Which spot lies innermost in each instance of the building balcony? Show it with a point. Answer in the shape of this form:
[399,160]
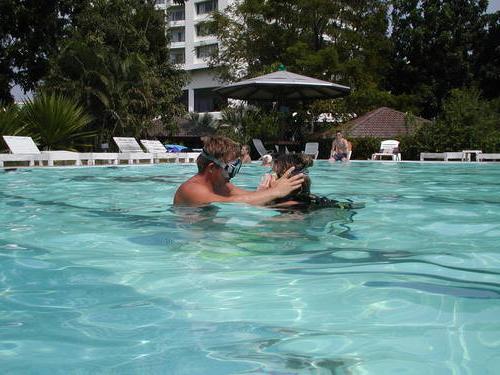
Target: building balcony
[174,45]
[181,23]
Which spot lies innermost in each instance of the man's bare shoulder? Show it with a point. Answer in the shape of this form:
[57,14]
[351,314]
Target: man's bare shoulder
[193,191]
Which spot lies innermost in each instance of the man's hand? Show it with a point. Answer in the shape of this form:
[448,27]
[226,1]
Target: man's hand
[286,184]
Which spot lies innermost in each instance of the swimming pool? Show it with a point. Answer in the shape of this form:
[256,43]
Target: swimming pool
[99,275]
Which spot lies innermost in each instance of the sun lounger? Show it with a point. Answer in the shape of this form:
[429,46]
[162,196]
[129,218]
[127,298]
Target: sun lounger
[30,159]
[259,146]
[312,148]
[388,148]
[188,157]
[454,156]
[131,151]
[491,157]
[432,155]
[159,151]
[24,147]
[92,157]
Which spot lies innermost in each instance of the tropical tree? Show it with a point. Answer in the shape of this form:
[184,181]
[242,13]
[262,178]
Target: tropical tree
[29,35]
[56,122]
[467,121]
[10,120]
[242,123]
[344,41]
[435,44]
[341,41]
[487,57]
[116,62]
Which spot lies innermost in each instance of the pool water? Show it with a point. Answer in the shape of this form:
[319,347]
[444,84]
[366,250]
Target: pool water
[100,275]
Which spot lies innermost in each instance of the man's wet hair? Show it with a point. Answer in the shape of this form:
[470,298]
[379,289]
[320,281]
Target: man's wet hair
[221,148]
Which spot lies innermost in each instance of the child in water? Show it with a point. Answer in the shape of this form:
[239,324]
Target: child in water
[301,198]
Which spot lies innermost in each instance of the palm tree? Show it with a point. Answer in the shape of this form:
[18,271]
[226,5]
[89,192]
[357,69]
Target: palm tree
[10,120]
[56,122]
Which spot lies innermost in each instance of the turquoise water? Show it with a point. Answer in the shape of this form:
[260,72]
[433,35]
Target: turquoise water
[99,275]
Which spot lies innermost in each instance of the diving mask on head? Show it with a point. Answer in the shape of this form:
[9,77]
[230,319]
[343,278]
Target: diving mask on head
[229,170]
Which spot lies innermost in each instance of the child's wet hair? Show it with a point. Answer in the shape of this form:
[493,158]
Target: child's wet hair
[283,162]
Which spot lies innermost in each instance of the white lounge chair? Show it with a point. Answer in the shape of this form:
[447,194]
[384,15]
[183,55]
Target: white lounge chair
[131,151]
[25,149]
[312,148]
[259,146]
[158,150]
[388,148]
[432,155]
[492,157]
[92,157]
[454,156]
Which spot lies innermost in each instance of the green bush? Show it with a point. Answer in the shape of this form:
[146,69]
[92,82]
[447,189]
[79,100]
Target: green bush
[243,123]
[363,148]
[466,122]
[56,122]
[10,120]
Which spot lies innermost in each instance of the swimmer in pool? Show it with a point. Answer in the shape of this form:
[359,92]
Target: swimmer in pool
[301,198]
[217,164]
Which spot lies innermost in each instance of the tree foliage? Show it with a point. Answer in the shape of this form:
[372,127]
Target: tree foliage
[29,35]
[435,45]
[56,122]
[10,120]
[344,41]
[467,121]
[116,62]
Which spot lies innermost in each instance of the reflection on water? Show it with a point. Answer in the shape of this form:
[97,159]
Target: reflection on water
[99,273]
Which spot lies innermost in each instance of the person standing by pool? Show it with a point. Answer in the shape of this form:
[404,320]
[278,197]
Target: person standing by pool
[245,154]
[340,148]
[217,164]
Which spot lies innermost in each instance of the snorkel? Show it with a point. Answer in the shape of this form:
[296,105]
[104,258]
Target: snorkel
[229,170]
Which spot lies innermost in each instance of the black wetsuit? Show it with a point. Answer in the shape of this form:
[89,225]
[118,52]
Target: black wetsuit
[314,202]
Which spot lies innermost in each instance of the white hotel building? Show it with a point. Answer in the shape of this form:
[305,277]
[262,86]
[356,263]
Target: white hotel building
[190,45]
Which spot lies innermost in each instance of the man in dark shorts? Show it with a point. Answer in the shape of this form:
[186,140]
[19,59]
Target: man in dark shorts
[340,148]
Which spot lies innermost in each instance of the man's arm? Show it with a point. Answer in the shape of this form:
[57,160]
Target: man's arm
[235,190]
[197,194]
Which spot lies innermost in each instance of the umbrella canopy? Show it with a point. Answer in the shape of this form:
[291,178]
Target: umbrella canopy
[283,86]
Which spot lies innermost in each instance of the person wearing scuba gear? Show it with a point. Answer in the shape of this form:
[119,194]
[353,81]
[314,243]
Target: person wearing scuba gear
[217,164]
[302,197]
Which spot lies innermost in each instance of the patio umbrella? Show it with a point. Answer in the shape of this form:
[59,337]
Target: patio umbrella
[283,86]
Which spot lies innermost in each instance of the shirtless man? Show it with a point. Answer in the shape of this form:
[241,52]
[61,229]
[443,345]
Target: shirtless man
[340,148]
[217,164]
[245,154]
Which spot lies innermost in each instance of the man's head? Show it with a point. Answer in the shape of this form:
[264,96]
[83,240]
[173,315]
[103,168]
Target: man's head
[220,155]
[301,162]
[338,135]
[245,150]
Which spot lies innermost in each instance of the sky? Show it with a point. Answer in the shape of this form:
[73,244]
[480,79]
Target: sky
[494,6]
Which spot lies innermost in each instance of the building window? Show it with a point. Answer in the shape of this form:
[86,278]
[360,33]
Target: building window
[204,29]
[176,14]
[204,52]
[177,35]
[206,7]
[205,100]
[177,56]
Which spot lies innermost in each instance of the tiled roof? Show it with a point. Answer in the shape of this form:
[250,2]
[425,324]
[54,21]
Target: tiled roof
[383,122]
